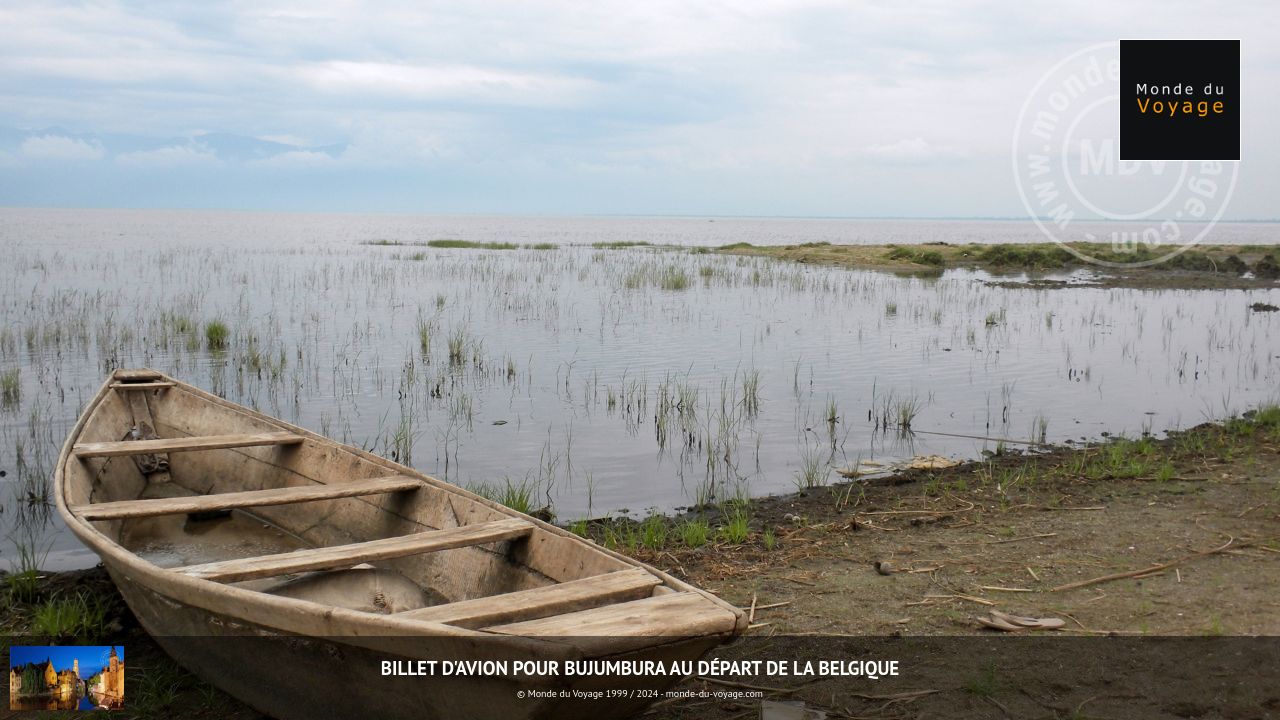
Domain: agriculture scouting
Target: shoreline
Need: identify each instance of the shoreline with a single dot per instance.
(1200, 267)
(1131, 537)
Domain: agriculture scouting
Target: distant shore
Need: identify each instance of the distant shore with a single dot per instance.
(1199, 267)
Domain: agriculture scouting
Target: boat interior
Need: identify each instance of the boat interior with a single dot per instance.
(202, 487)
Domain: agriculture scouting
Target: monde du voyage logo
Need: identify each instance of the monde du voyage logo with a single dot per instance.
(1182, 100)
(1125, 152)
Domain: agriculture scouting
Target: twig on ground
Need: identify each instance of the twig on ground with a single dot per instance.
(1146, 570)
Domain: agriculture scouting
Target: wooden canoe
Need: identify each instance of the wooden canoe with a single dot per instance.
(288, 570)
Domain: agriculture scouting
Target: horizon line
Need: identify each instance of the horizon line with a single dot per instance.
(682, 216)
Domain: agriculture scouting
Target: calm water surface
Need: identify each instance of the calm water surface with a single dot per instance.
(602, 380)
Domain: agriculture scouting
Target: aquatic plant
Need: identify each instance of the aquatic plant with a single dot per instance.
(519, 496)
(216, 334)
(472, 244)
(813, 471)
(674, 278)
(10, 388)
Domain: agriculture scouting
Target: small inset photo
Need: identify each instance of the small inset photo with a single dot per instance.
(79, 677)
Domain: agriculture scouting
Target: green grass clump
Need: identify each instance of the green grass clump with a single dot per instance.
(216, 335)
(653, 532)
(23, 586)
(543, 246)
(471, 244)
(737, 526)
(813, 471)
(1032, 257)
(923, 257)
(1123, 459)
(620, 244)
(694, 532)
(1265, 418)
(517, 496)
(736, 246)
(674, 278)
(80, 616)
(10, 387)
(1267, 267)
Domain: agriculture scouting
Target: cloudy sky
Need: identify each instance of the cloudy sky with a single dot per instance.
(753, 107)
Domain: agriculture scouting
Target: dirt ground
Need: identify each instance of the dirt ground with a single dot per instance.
(1177, 537)
(956, 543)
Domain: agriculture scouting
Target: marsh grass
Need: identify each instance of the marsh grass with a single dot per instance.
(693, 532)
(920, 256)
(10, 388)
(813, 471)
(216, 335)
(425, 330)
(653, 532)
(674, 278)
(620, 244)
(22, 584)
(737, 523)
(471, 244)
(80, 616)
(519, 496)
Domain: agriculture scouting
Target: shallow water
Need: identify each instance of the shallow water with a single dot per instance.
(601, 380)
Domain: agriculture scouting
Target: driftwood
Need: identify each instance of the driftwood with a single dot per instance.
(1147, 570)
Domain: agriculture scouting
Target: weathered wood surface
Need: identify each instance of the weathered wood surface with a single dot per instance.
(136, 375)
(142, 385)
(540, 602)
(187, 605)
(187, 444)
(617, 628)
(250, 498)
(329, 558)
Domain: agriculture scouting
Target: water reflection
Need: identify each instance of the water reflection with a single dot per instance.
(595, 379)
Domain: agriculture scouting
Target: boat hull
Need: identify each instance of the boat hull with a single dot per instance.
(294, 677)
(292, 657)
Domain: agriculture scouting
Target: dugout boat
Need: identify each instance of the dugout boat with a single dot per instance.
(292, 571)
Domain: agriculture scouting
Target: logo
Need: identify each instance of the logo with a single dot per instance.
(1072, 176)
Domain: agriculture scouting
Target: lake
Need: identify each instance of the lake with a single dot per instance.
(596, 380)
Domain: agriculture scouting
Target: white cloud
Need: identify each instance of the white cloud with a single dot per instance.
(170, 157)
(910, 151)
(60, 147)
(425, 82)
(309, 159)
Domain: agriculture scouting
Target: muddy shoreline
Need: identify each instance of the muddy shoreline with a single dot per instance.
(1129, 538)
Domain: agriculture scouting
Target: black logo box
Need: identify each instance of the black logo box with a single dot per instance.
(1160, 77)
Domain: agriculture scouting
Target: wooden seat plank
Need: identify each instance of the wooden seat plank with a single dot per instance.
(681, 614)
(340, 556)
(250, 498)
(184, 444)
(565, 597)
(136, 375)
(142, 385)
